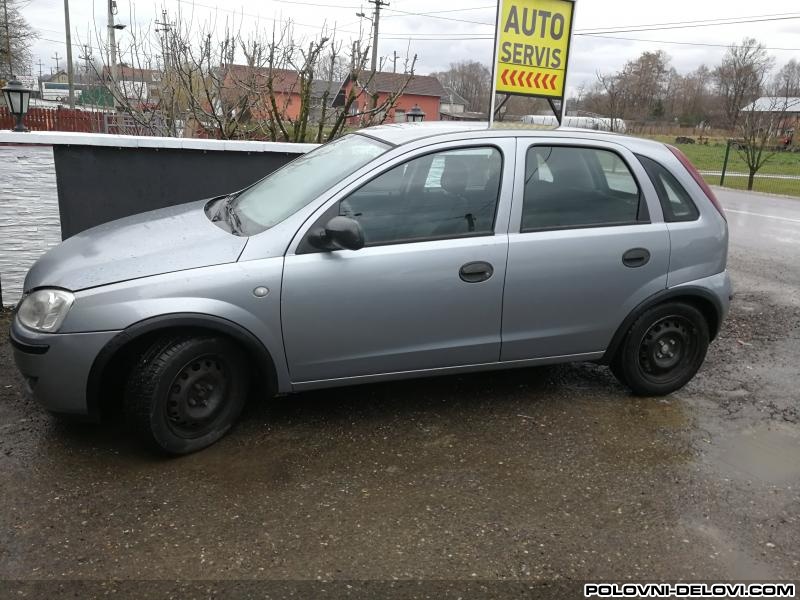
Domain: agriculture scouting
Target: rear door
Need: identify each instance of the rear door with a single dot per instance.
(587, 243)
(426, 291)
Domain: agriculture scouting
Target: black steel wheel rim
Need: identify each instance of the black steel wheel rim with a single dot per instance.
(668, 348)
(197, 397)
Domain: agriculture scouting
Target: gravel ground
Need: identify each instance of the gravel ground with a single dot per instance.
(495, 484)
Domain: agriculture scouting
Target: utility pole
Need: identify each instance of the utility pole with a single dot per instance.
(375, 30)
(41, 64)
(70, 66)
(56, 58)
(165, 28)
(86, 57)
(394, 66)
(165, 83)
(8, 41)
(112, 48)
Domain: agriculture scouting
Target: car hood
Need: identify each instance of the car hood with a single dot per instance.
(160, 241)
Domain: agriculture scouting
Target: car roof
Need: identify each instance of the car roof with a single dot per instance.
(399, 134)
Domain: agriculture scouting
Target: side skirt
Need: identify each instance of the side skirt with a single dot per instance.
(493, 366)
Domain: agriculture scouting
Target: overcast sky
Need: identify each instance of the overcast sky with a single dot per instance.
(473, 40)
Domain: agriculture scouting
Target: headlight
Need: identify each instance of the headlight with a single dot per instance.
(45, 310)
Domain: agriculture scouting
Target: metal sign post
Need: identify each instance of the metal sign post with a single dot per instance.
(532, 42)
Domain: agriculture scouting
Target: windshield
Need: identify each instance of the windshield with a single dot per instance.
(292, 187)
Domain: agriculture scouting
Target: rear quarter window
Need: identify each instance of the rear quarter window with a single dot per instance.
(676, 203)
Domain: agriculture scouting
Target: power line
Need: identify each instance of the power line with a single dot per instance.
(691, 26)
(481, 38)
(449, 10)
(687, 24)
(303, 3)
(462, 36)
(632, 28)
(257, 16)
(611, 37)
(793, 13)
(435, 16)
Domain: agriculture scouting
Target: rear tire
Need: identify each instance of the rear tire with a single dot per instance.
(663, 349)
(185, 392)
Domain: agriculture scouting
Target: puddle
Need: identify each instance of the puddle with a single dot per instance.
(769, 454)
(739, 563)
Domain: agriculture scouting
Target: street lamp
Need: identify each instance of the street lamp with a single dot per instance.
(17, 99)
(415, 115)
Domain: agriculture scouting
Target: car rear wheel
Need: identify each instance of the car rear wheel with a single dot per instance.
(663, 349)
(184, 393)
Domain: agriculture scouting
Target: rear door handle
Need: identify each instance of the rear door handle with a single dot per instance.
(636, 257)
(475, 272)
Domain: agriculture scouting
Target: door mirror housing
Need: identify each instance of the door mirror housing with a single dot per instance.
(339, 233)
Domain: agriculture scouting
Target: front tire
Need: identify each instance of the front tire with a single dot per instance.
(663, 350)
(185, 392)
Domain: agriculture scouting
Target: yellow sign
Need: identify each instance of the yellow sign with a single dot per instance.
(532, 47)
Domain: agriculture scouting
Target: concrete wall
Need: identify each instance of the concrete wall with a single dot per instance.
(55, 184)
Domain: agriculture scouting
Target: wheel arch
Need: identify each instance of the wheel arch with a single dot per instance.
(702, 299)
(114, 359)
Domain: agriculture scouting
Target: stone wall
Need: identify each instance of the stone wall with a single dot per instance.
(29, 217)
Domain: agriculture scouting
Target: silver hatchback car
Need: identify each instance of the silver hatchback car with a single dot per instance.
(399, 251)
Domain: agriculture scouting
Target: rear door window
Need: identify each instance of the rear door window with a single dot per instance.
(571, 187)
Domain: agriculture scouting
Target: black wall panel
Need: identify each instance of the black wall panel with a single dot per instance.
(100, 184)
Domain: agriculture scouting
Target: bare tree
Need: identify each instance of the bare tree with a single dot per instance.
(740, 77)
(693, 98)
(612, 96)
(470, 79)
(16, 38)
(759, 125)
(644, 83)
(787, 81)
(212, 80)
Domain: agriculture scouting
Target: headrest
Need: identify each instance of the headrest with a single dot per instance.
(454, 175)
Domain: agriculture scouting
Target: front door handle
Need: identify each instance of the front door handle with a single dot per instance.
(636, 257)
(475, 272)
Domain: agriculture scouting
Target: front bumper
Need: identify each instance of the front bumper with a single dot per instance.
(56, 366)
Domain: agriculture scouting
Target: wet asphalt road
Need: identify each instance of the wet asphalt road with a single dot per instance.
(538, 475)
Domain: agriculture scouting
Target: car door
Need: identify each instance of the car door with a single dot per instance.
(426, 290)
(587, 243)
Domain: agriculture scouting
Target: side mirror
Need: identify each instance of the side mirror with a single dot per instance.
(339, 232)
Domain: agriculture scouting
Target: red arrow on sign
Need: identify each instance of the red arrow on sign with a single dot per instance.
(553, 82)
(536, 80)
(528, 79)
(503, 76)
(513, 76)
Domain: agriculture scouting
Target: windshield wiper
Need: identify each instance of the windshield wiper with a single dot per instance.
(225, 211)
(232, 217)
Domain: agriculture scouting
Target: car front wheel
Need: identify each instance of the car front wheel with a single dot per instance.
(185, 392)
(663, 349)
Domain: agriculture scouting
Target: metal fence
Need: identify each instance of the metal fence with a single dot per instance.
(722, 163)
(779, 174)
(56, 119)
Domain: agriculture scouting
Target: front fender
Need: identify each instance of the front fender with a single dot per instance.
(218, 296)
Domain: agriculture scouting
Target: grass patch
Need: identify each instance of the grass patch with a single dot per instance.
(711, 157)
